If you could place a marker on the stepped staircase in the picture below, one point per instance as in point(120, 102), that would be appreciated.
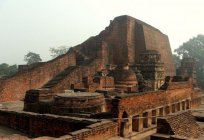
point(59, 77)
point(65, 73)
point(83, 61)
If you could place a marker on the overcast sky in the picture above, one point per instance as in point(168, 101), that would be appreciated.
point(37, 25)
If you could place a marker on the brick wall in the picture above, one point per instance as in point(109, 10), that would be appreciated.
point(139, 102)
point(66, 128)
point(125, 36)
point(155, 40)
point(129, 37)
point(35, 125)
point(98, 131)
point(75, 77)
point(14, 88)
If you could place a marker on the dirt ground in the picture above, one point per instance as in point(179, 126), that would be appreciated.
point(7, 131)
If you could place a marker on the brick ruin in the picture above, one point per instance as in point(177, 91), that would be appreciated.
point(169, 127)
point(114, 84)
point(129, 36)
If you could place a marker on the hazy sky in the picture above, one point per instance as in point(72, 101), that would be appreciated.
point(37, 25)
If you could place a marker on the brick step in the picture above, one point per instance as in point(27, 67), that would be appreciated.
point(59, 77)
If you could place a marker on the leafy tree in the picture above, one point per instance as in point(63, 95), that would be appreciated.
point(6, 70)
point(12, 69)
point(58, 51)
point(3, 69)
point(32, 57)
point(194, 48)
point(177, 60)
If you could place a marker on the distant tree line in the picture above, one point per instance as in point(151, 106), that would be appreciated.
point(30, 58)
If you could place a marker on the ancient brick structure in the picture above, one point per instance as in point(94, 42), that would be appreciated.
point(133, 106)
point(38, 125)
point(152, 69)
point(125, 79)
point(180, 125)
point(78, 103)
point(14, 88)
point(63, 127)
point(129, 36)
point(129, 64)
point(134, 111)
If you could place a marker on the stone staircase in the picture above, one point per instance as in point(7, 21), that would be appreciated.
point(59, 77)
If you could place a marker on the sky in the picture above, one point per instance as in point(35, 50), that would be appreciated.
point(37, 25)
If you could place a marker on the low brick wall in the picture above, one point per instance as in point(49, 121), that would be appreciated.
point(35, 125)
point(97, 131)
point(139, 102)
point(65, 128)
point(196, 102)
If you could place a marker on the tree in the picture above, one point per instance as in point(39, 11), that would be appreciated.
point(12, 70)
point(177, 60)
point(58, 51)
point(3, 69)
point(32, 57)
point(194, 48)
point(6, 70)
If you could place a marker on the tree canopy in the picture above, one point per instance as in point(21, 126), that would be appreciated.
point(55, 52)
point(193, 48)
point(32, 57)
point(177, 60)
point(7, 70)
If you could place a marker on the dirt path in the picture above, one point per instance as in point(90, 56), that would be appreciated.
point(8, 131)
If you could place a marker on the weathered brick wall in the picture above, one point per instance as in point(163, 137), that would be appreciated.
point(66, 128)
point(129, 37)
point(98, 131)
point(196, 102)
point(14, 88)
point(35, 125)
point(125, 36)
point(75, 77)
point(197, 98)
point(108, 41)
point(137, 103)
point(155, 40)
